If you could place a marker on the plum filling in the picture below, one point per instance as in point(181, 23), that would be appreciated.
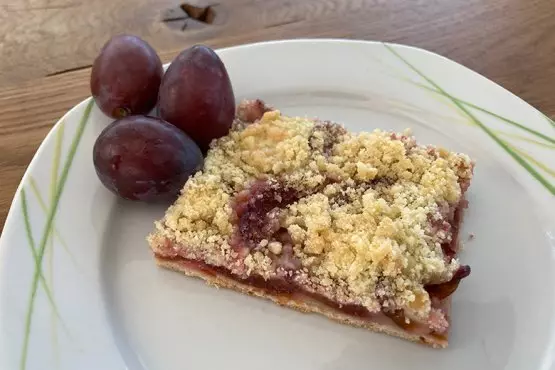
point(251, 110)
point(452, 225)
point(288, 289)
point(444, 290)
point(258, 210)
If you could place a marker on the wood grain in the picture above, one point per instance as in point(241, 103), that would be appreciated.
point(47, 46)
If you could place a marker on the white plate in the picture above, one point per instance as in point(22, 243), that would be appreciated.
point(95, 300)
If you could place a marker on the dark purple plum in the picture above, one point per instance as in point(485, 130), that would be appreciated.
point(126, 77)
point(196, 95)
point(145, 158)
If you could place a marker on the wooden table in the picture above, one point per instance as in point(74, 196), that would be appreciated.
point(47, 47)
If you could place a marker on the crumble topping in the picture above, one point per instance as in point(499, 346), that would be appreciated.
point(364, 225)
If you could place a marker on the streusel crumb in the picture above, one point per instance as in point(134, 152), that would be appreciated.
point(360, 217)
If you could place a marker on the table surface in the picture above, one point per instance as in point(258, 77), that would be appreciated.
point(47, 47)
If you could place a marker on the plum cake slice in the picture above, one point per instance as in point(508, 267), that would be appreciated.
point(359, 227)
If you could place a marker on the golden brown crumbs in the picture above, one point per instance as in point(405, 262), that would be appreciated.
point(365, 233)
